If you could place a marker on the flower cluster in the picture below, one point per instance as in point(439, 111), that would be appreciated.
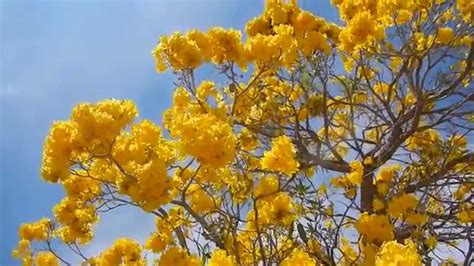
point(322, 143)
point(281, 158)
point(123, 252)
point(37, 231)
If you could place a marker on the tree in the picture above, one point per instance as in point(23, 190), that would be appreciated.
point(323, 144)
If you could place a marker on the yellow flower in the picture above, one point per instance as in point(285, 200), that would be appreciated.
point(100, 123)
point(178, 256)
point(395, 63)
point(329, 211)
point(445, 35)
point(298, 257)
point(158, 241)
point(314, 41)
point(403, 16)
point(381, 88)
point(76, 224)
point(458, 141)
point(282, 209)
point(314, 246)
point(374, 227)
point(220, 258)
point(22, 251)
point(35, 231)
point(281, 157)
point(393, 253)
point(382, 188)
point(369, 160)
point(205, 89)
point(417, 218)
point(401, 204)
point(267, 185)
point(409, 99)
point(201, 201)
point(465, 216)
point(423, 140)
point(279, 11)
point(323, 189)
point(205, 136)
point(370, 252)
point(178, 51)
point(82, 187)
point(362, 29)
point(357, 172)
point(378, 205)
point(181, 97)
point(462, 191)
point(350, 255)
point(431, 242)
point(258, 25)
point(387, 173)
point(124, 251)
point(226, 46)
point(466, 8)
point(247, 140)
point(46, 258)
point(57, 151)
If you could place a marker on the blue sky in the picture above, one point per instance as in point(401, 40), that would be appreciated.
point(55, 54)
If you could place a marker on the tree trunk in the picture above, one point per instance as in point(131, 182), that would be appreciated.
point(367, 191)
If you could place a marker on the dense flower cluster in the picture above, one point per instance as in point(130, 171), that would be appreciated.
point(393, 253)
point(281, 157)
point(123, 252)
point(374, 227)
point(144, 155)
point(46, 258)
point(203, 131)
point(220, 258)
point(276, 37)
point(178, 256)
point(37, 231)
point(322, 144)
point(299, 257)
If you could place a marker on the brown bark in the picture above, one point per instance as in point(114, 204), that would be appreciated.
point(367, 191)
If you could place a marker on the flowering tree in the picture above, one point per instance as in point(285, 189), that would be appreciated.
point(324, 144)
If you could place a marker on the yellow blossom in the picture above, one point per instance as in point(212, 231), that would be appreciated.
point(267, 185)
point(417, 218)
point(46, 258)
point(445, 35)
point(403, 16)
point(124, 251)
point(374, 227)
point(431, 242)
point(35, 231)
point(357, 172)
point(401, 204)
point(281, 157)
point(378, 205)
point(201, 200)
point(298, 257)
point(465, 216)
point(220, 258)
point(178, 256)
point(387, 173)
point(393, 253)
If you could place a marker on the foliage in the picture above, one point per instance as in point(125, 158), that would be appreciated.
point(324, 144)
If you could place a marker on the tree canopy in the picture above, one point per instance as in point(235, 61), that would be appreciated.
point(321, 144)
